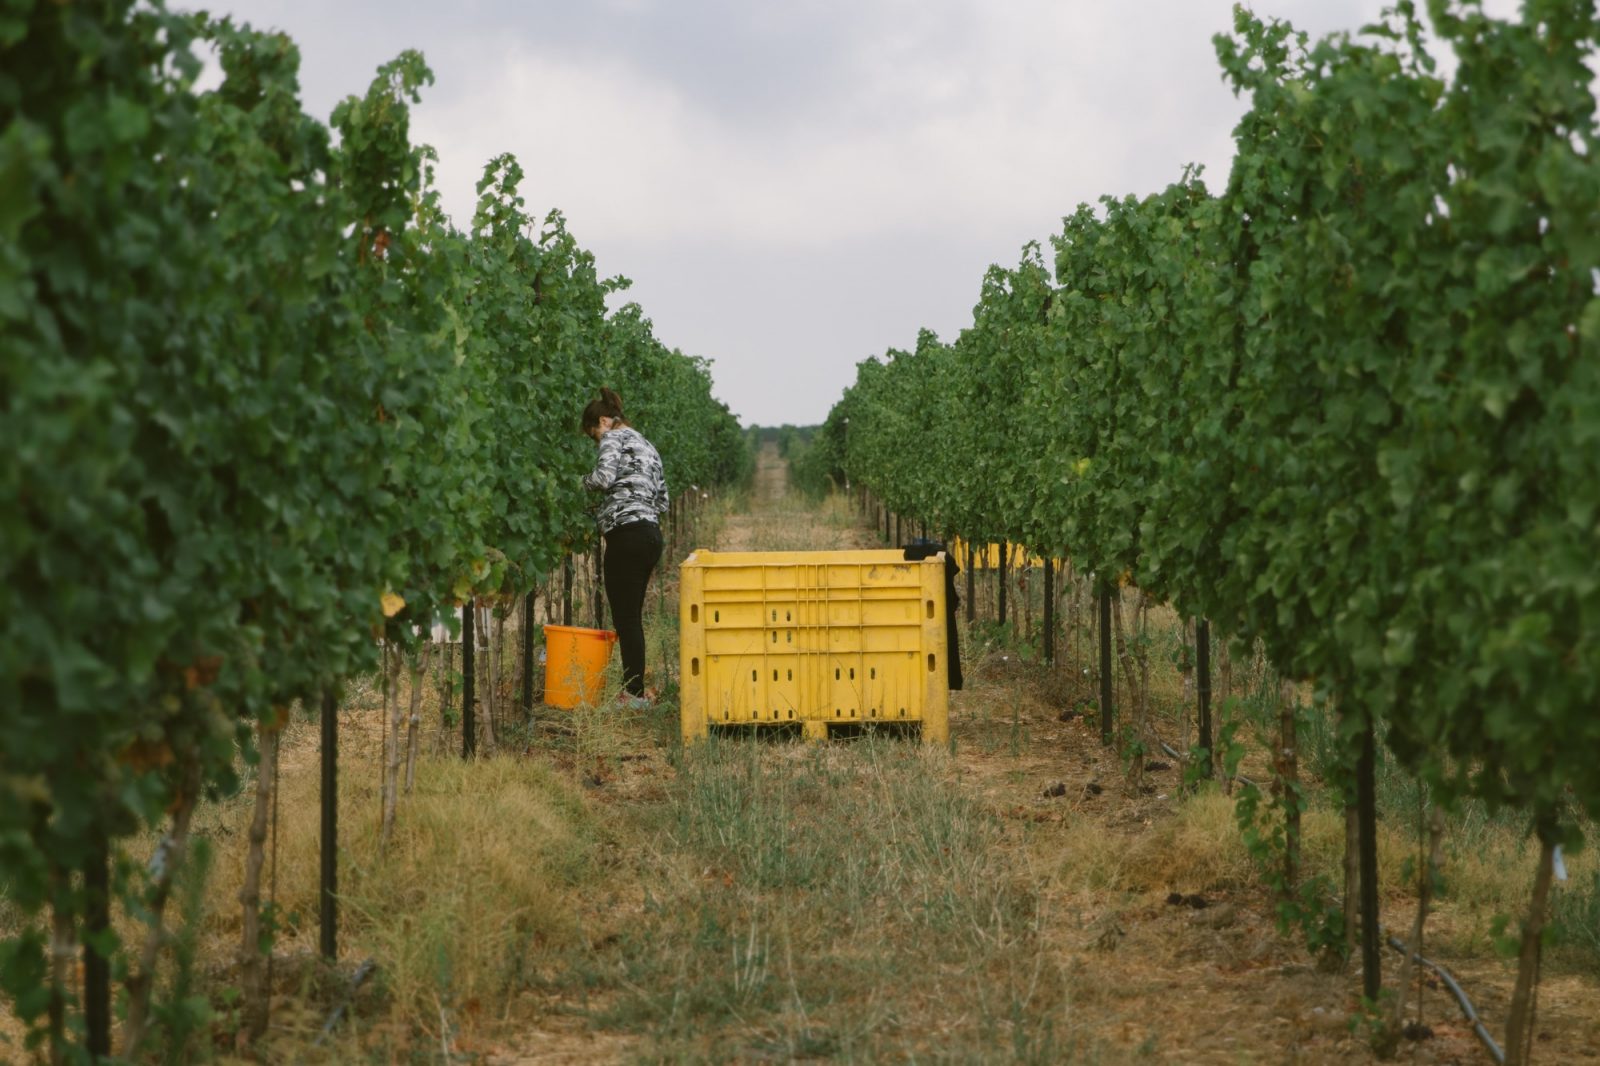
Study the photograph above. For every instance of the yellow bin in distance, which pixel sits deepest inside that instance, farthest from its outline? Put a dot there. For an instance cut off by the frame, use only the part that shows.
(575, 664)
(818, 640)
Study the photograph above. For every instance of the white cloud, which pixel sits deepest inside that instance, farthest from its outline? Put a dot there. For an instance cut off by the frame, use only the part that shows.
(1028, 117)
(796, 186)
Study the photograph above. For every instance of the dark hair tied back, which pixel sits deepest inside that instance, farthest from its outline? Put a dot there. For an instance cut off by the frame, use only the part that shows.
(609, 405)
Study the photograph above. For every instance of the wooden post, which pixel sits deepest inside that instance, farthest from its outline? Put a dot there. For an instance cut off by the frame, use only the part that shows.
(1519, 1026)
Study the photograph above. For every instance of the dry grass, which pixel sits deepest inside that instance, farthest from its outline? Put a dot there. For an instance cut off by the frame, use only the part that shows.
(480, 882)
(1197, 847)
(479, 879)
(599, 894)
(1489, 859)
(1106, 858)
(844, 902)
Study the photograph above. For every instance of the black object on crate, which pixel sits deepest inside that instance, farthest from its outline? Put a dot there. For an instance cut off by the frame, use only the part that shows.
(923, 548)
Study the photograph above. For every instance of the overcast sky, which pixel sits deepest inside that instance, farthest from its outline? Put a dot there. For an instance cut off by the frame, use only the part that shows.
(794, 186)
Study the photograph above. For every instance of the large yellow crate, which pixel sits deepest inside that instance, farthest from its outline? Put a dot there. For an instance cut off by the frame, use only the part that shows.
(816, 641)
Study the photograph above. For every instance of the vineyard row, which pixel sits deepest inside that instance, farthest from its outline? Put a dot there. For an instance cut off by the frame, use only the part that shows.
(1347, 408)
(266, 411)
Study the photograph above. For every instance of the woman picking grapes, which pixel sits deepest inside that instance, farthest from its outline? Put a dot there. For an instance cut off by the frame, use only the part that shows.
(628, 472)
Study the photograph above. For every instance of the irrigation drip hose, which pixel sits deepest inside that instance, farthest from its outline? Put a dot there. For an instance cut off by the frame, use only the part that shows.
(364, 971)
(1467, 1010)
(1461, 998)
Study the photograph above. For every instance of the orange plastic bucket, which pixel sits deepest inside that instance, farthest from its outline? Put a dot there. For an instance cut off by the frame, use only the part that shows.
(575, 664)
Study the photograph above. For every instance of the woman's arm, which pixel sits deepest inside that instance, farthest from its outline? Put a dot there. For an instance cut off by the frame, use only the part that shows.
(604, 474)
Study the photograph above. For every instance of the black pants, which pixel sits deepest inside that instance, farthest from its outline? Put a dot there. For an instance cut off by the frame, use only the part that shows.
(632, 552)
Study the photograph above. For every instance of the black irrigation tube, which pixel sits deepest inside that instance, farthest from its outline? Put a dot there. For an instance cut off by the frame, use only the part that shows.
(364, 971)
(1484, 1036)
(1467, 1011)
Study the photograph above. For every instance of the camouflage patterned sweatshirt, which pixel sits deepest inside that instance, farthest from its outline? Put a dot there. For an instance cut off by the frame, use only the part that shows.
(628, 470)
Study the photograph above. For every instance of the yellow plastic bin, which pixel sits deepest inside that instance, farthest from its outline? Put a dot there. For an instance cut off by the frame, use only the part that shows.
(575, 664)
(819, 643)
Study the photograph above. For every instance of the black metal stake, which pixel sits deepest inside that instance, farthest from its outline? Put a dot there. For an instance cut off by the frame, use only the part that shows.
(1005, 552)
(566, 589)
(449, 679)
(972, 585)
(527, 656)
(661, 589)
(469, 694)
(1367, 825)
(1105, 665)
(599, 589)
(327, 891)
(96, 967)
(1049, 611)
(1202, 667)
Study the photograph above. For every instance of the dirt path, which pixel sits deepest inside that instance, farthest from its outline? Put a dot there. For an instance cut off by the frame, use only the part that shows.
(1005, 900)
(771, 486)
(780, 520)
(772, 477)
